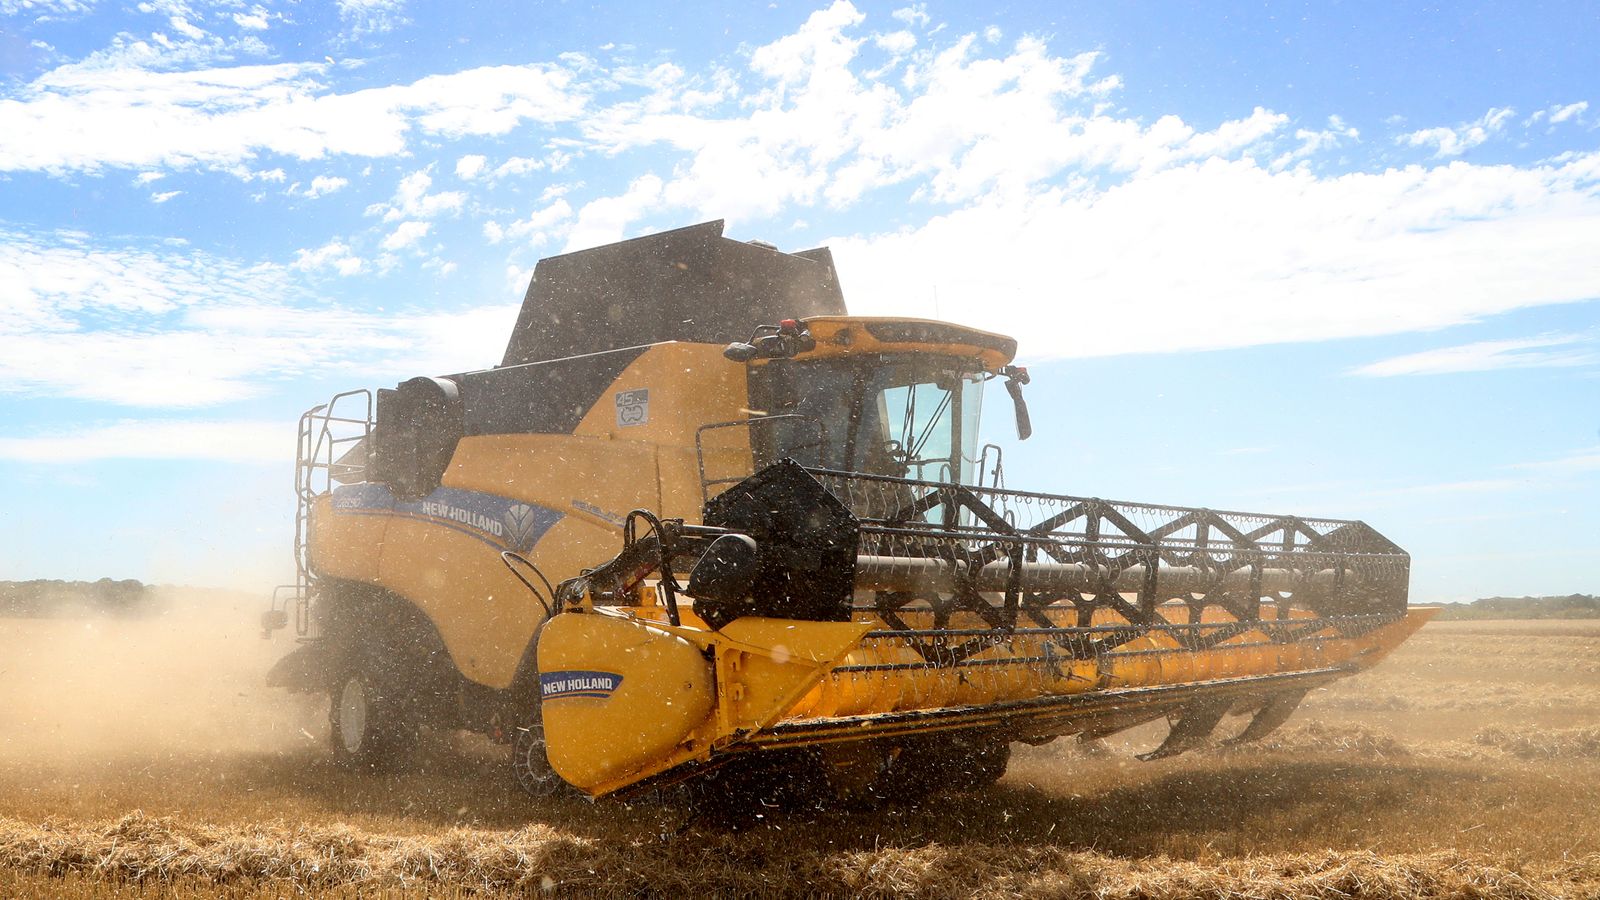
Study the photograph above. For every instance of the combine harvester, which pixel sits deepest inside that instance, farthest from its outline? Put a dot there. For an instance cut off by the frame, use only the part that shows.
(820, 570)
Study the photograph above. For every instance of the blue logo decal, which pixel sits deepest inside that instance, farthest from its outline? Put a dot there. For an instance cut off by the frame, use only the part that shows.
(498, 521)
(596, 685)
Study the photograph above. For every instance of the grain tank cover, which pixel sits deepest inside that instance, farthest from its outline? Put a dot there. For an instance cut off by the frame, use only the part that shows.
(688, 284)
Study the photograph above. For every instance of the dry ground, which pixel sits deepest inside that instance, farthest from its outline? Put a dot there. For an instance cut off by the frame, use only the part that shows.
(143, 759)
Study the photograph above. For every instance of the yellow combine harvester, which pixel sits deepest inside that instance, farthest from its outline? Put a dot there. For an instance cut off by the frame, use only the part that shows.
(819, 568)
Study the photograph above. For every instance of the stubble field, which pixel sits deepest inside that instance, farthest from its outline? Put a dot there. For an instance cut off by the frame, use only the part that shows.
(145, 759)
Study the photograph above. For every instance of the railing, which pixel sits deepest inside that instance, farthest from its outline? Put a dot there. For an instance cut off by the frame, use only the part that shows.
(712, 483)
(333, 446)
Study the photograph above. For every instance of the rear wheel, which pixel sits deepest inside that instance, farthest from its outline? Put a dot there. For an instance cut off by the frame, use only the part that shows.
(369, 728)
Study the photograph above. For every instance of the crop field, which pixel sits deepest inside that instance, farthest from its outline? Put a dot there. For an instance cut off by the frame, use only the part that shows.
(143, 758)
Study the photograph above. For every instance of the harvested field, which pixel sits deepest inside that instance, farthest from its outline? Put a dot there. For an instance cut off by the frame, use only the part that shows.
(143, 759)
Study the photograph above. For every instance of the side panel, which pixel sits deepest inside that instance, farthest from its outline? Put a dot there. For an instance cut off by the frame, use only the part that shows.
(560, 499)
(572, 489)
(663, 398)
(345, 546)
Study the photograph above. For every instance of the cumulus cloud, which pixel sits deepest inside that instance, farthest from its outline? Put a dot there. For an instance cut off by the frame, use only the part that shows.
(406, 235)
(519, 165)
(469, 167)
(412, 200)
(254, 20)
(1458, 140)
(606, 220)
(1555, 115)
(322, 185)
(542, 226)
(335, 255)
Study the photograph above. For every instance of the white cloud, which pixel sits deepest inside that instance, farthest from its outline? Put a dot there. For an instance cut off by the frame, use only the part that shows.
(366, 17)
(915, 15)
(1318, 141)
(1580, 462)
(255, 20)
(1229, 254)
(45, 8)
(164, 196)
(86, 117)
(606, 220)
(1039, 209)
(171, 328)
(335, 255)
(542, 226)
(1483, 356)
(407, 234)
(1559, 114)
(1456, 141)
(412, 200)
(322, 185)
(896, 42)
(518, 165)
(182, 26)
(235, 441)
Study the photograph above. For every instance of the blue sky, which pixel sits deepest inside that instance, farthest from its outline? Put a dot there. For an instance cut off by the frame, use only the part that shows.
(1332, 259)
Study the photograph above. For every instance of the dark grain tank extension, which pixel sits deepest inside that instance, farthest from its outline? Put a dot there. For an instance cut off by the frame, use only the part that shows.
(687, 284)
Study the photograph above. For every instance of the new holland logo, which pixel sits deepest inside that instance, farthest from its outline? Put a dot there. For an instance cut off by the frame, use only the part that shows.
(594, 685)
(520, 524)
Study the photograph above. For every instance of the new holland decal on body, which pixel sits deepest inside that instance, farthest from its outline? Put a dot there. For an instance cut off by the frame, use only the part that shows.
(594, 685)
(501, 522)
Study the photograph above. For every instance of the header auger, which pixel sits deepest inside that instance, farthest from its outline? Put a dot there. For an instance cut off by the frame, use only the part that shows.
(818, 565)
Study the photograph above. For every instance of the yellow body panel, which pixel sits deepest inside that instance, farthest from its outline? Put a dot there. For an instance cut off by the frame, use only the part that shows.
(690, 385)
(345, 546)
(618, 697)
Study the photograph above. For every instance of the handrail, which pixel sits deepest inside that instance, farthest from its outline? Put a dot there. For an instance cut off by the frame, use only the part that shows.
(327, 433)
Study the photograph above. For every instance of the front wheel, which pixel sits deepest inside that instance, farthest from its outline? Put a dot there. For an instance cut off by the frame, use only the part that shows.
(531, 765)
(369, 728)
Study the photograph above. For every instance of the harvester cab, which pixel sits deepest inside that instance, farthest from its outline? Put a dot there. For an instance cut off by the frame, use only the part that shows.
(819, 569)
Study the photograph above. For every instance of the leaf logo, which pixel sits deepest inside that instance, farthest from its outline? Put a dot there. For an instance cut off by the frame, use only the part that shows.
(519, 525)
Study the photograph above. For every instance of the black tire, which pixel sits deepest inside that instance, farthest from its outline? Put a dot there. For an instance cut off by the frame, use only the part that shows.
(983, 764)
(370, 728)
(531, 766)
(938, 765)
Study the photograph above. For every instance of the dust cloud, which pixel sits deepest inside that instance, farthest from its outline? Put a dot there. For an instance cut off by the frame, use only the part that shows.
(187, 679)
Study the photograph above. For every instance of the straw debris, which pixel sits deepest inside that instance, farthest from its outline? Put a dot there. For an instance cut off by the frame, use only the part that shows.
(142, 849)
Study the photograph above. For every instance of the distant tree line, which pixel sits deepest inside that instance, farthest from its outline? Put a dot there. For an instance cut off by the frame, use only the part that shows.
(1571, 606)
(50, 598)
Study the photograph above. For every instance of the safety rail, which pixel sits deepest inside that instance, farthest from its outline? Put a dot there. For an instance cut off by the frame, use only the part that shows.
(720, 481)
(332, 447)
